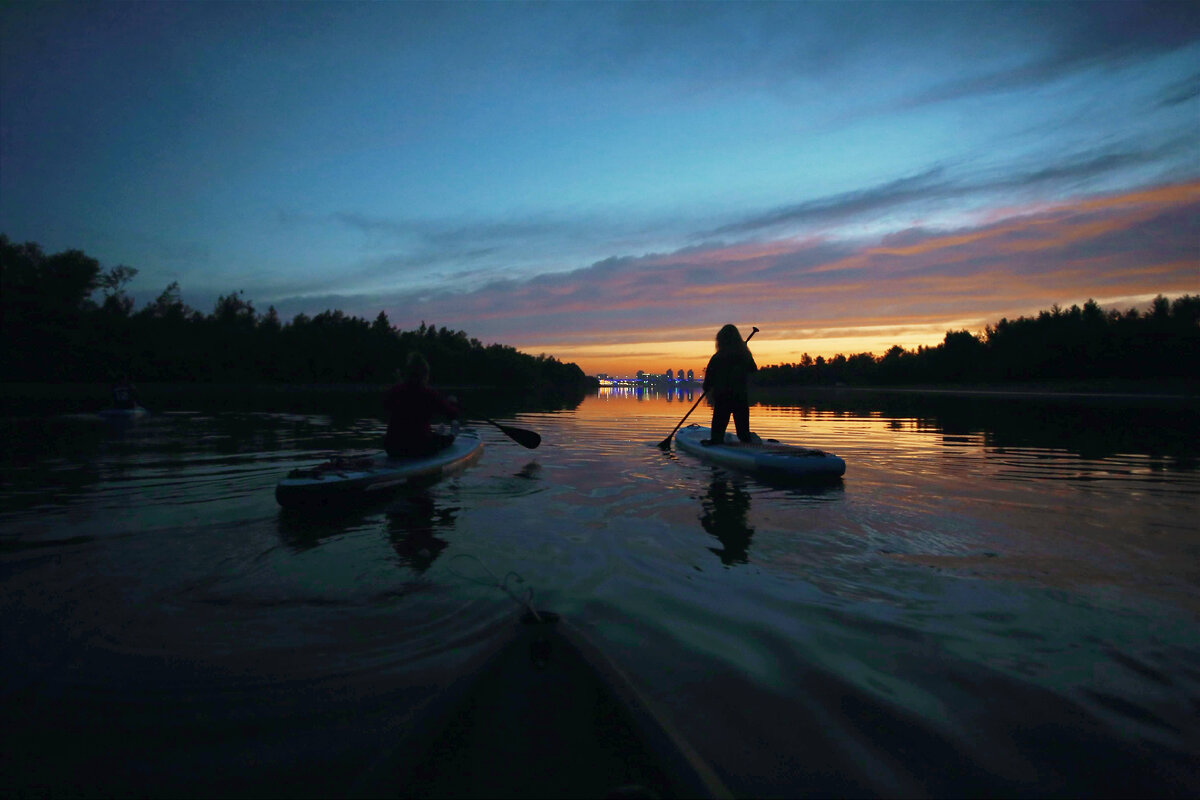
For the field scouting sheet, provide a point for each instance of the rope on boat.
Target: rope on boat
(526, 601)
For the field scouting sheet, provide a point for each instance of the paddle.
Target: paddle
(525, 438)
(665, 443)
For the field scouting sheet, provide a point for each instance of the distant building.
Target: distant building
(691, 376)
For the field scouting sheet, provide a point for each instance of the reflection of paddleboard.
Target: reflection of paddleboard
(540, 712)
(124, 413)
(346, 479)
(767, 457)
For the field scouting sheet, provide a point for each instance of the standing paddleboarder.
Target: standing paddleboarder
(727, 384)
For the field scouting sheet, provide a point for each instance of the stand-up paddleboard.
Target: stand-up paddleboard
(124, 413)
(766, 457)
(343, 479)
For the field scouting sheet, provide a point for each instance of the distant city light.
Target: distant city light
(643, 378)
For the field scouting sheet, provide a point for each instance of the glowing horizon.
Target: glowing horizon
(656, 358)
(1113, 249)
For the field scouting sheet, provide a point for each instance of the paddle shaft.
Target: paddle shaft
(667, 440)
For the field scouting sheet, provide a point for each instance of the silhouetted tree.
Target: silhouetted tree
(1073, 343)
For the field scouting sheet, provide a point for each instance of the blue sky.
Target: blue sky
(611, 182)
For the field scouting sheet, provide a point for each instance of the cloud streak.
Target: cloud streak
(939, 185)
(1110, 34)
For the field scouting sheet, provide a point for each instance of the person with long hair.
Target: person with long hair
(727, 384)
(412, 404)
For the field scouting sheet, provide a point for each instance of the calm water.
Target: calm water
(1001, 598)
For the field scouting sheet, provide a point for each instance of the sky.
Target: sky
(609, 183)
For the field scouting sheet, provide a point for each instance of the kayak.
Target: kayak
(124, 413)
(764, 456)
(539, 712)
(346, 479)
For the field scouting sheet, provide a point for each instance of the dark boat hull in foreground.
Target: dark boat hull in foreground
(542, 714)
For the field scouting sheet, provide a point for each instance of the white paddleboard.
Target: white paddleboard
(765, 456)
(346, 479)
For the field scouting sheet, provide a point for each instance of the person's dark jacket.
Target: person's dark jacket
(727, 376)
(411, 407)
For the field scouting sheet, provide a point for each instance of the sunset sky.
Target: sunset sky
(609, 183)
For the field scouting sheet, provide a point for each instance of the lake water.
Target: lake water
(1000, 598)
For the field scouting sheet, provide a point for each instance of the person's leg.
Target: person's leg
(741, 422)
(720, 421)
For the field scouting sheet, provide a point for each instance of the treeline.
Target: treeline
(63, 318)
(1060, 344)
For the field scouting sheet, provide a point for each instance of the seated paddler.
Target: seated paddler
(412, 406)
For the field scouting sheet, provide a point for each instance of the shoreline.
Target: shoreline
(17, 397)
(25, 398)
(1173, 392)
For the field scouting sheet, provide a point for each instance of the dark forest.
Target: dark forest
(63, 318)
(1074, 344)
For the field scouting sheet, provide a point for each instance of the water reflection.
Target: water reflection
(683, 392)
(726, 505)
(340, 401)
(1092, 428)
(412, 522)
(724, 512)
(412, 518)
(306, 528)
(531, 471)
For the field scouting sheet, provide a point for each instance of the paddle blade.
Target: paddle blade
(521, 436)
(525, 438)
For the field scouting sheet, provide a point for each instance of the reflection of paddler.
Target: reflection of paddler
(725, 511)
(411, 522)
